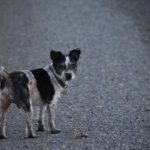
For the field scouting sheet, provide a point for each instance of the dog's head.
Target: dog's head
(65, 66)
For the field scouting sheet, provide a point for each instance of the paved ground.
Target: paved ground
(110, 98)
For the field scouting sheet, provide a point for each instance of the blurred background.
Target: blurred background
(110, 98)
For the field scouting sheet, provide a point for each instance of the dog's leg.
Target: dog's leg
(29, 126)
(4, 104)
(2, 125)
(51, 118)
(41, 116)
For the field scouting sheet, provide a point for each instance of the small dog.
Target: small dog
(41, 87)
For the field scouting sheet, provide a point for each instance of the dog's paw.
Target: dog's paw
(55, 131)
(31, 136)
(41, 128)
(2, 137)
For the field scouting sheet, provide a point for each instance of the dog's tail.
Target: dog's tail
(4, 78)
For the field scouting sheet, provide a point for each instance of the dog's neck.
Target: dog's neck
(62, 83)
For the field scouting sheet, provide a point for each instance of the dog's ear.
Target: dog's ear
(55, 55)
(3, 73)
(75, 54)
(4, 78)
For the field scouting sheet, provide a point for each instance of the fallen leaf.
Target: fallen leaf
(80, 136)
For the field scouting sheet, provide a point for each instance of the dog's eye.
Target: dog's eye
(61, 66)
(73, 65)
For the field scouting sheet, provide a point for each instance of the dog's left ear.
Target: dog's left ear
(75, 54)
(56, 55)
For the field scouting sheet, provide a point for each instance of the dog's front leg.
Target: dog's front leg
(51, 118)
(41, 116)
(29, 126)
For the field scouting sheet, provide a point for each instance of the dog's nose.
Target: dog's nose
(68, 76)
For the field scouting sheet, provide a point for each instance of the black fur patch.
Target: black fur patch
(44, 85)
(58, 60)
(74, 55)
(2, 83)
(20, 90)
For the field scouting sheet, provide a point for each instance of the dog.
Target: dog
(40, 87)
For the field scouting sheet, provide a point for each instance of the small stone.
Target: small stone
(80, 136)
(26, 146)
(147, 109)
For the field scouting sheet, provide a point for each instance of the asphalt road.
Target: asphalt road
(110, 98)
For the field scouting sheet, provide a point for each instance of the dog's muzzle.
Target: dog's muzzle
(68, 76)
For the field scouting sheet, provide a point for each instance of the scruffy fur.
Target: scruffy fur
(41, 87)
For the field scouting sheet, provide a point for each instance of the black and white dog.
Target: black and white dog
(41, 87)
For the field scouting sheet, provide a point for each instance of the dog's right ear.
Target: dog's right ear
(3, 73)
(75, 54)
(55, 55)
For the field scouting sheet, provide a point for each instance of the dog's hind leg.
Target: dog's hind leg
(29, 125)
(51, 118)
(41, 116)
(2, 125)
(4, 104)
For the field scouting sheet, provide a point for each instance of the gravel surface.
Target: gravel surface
(107, 107)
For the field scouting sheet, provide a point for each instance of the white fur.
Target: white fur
(35, 97)
(33, 90)
(29, 118)
(41, 114)
(67, 62)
